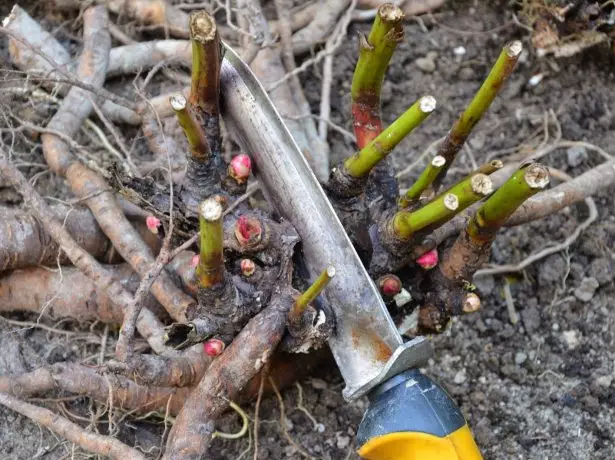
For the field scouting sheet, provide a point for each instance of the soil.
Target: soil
(541, 388)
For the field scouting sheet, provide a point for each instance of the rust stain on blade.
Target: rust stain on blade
(372, 345)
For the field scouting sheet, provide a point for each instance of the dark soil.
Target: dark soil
(542, 388)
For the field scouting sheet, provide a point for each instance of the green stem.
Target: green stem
(490, 217)
(479, 105)
(442, 208)
(210, 270)
(199, 147)
(375, 53)
(425, 179)
(362, 162)
(313, 291)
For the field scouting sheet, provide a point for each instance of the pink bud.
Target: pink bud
(428, 260)
(213, 347)
(248, 267)
(390, 285)
(247, 230)
(195, 260)
(152, 224)
(240, 168)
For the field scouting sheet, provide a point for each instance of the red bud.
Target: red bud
(390, 285)
(248, 267)
(240, 168)
(248, 230)
(213, 347)
(428, 260)
(195, 260)
(152, 224)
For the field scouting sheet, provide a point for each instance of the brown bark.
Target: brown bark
(158, 371)
(93, 442)
(85, 183)
(149, 326)
(24, 242)
(66, 294)
(87, 381)
(227, 375)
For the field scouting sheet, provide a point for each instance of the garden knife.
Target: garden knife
(409, 416)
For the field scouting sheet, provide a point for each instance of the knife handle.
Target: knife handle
(410, 417)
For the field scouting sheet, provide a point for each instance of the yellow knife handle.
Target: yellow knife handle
(410, 417)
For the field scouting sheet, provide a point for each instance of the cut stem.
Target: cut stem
(423, 182)
(362, 162)
(206, 59)
(490, 167)
(210, 270)
(312, 292)
(199, 147)
(472, 247)
(490, 217)
(375, 54)
(479, 105)
(443, 208)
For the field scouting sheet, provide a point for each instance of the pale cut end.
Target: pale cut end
(202, 27)
(178, 102)
(471, 303)
(481, 184)
(12, 15)
(211, 210)
(427, 104)
(438, 161)
(497, 164)
(451, 201)
(513, 49)
(331, 271)
(537, 176)
(390, 13)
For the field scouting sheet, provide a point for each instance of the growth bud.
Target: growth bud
(195, 260)
(471, 303)
(428, 260)
(213, 347)
(390, 285)
(152, 224)
(248, 267)
(248, 230)
(240, 168)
